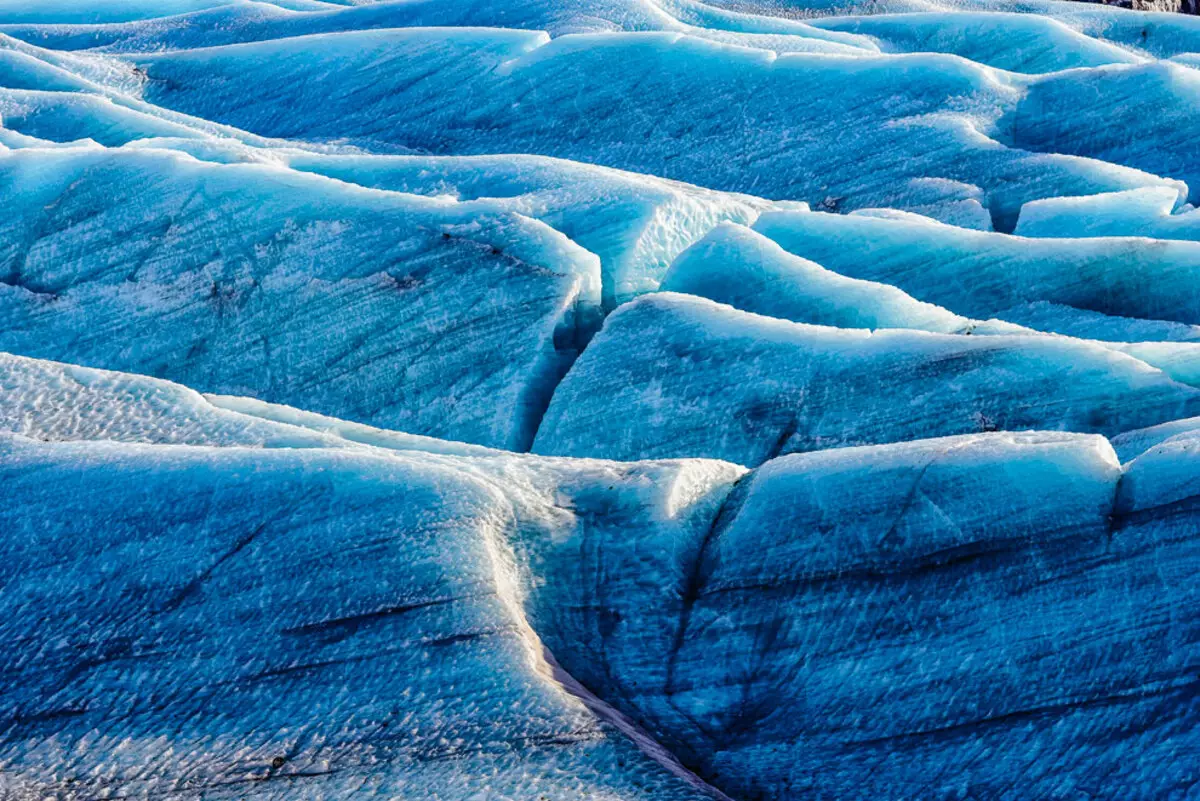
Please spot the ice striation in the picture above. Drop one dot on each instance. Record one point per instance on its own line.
(985, 274)
(1040, 628)
(218, 276)
(598, 399)
(370, 639)
(457, 655)
(739, 267)
(691, 377)
(546, 96)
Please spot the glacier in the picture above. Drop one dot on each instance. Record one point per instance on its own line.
(615, 400)
(694, 378)
(299, 698)
(519, 81)
(416, 678)
(741, 268)
(984, 274)
(1150, 213)
(240, 263)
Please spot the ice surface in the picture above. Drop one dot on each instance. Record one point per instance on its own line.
(420, 622)
(250, 22)
(1155, 33)
(739, 267)
(1085, 324)
(341, 433)
(369, 633)
(55, 402)
(68, 11)
(952, 101)
(636, 224)
(433, 90)
(987, 561)
(1134, 443)
(695, 378)
(1140, 116)
(744, 269)
(289, 290)
(1023, 566)
(86, 89)
(1017, 42)
(1150, 212)
(980, 274)
(248, 279)
(64, 118)
(906, 614)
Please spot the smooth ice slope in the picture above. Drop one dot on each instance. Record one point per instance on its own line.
(741, 268)
(1146, 212)
(979, 274)
(1071, 321)
(1141, 116)
(74, 11)
(83, 91)
(1151, 32)
(250, 22)
(64, 117)
(636, 224)
(248, 279)
(674, 375)
(1018, 42)
(1134, 443)
(55, 402)
(744, 269)
(663, 111)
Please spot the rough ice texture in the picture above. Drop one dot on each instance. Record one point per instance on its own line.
(280, 624)
(249, 279)
(1156, 104)
(636, 224)
(990, 597)
(414, 671)
(1018, 42)
(601, 98)
(675, 375)
(286, 287)
(250, 22)
(1024, 567)
(55, 402)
